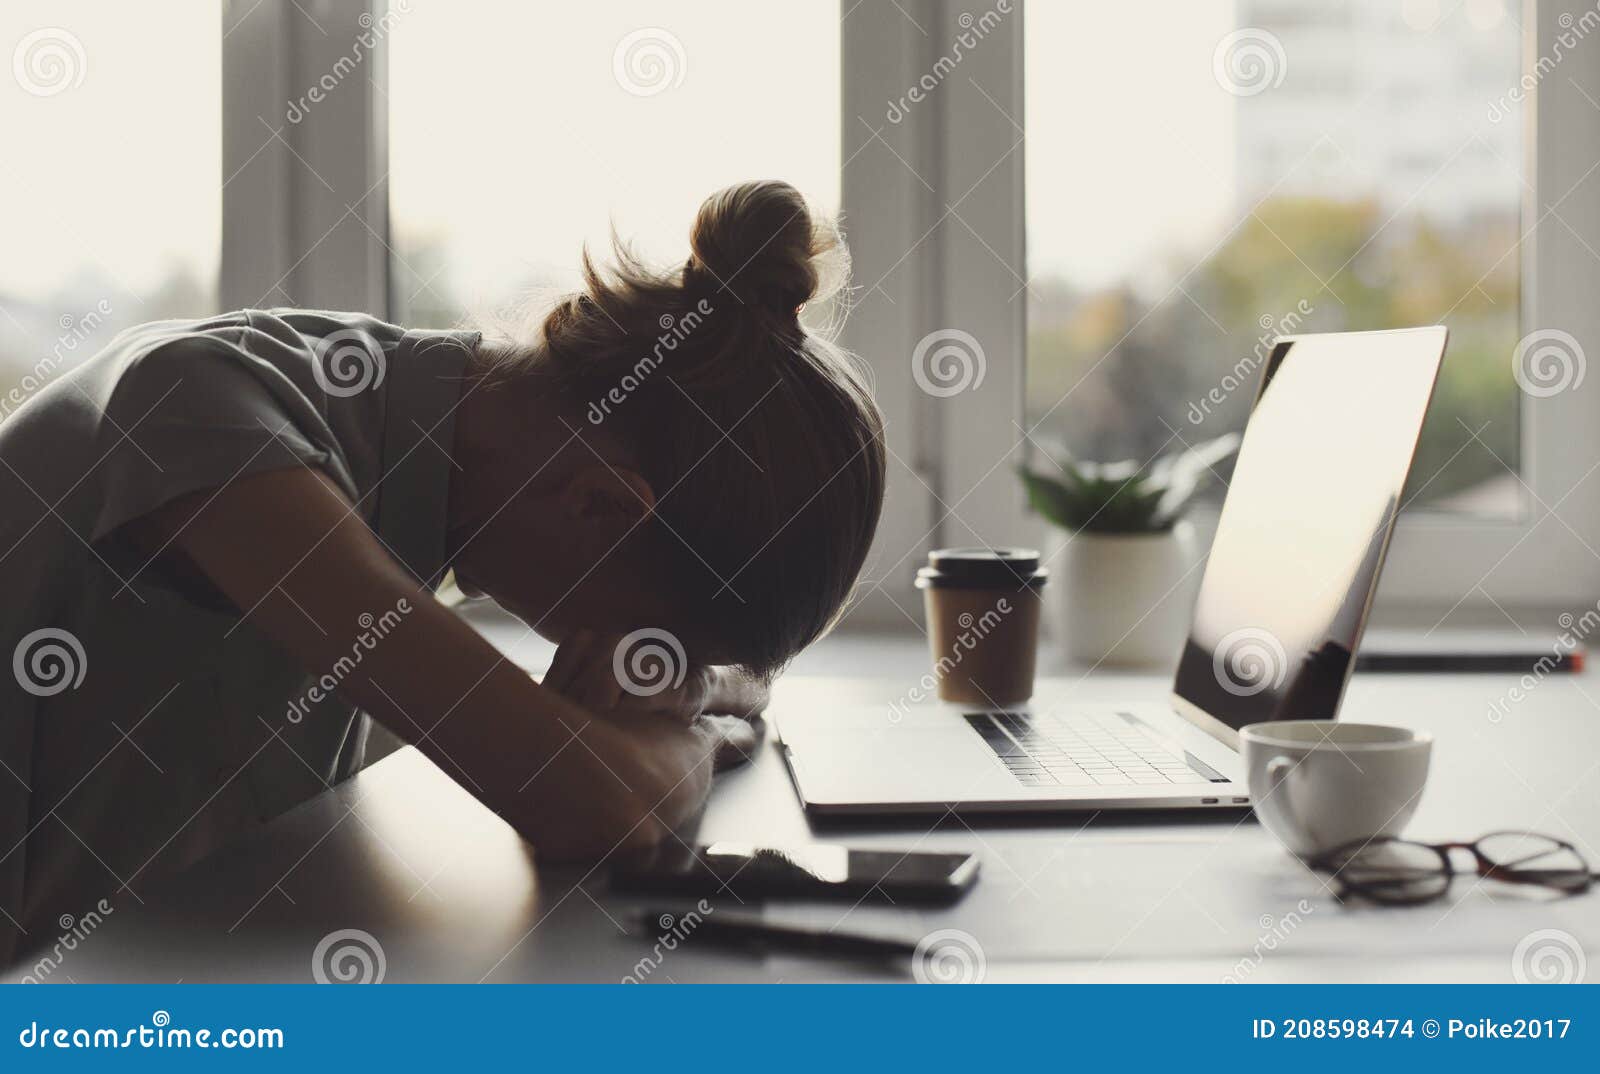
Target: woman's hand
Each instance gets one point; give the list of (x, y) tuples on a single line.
[(715, 701), (585, 671)]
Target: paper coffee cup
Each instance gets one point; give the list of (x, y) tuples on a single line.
[(982, 609)]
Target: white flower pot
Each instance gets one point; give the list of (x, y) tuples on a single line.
[(1123, 600)]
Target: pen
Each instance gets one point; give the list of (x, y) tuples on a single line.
[(734, 931)]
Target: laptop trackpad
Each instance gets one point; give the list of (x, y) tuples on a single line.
[(906, 764)]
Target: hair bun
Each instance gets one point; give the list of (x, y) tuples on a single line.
[(758, 241)]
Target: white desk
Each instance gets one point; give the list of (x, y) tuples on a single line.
[(451, 893)]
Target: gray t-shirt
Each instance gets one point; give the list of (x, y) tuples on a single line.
[(143, 721)]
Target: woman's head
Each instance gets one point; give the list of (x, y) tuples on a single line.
[(676, 449)]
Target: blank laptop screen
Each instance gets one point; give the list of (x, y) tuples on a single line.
[(1305, 524)]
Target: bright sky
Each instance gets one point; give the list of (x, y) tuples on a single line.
[(516, 146), (1119, 97), (121, 169)]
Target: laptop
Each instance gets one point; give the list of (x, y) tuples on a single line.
[(1287, 587)]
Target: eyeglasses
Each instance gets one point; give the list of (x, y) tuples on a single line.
[(1402, 872)]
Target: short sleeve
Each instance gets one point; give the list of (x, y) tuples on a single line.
[(198, 413)]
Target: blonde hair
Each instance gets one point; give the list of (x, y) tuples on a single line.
[(759, 435)]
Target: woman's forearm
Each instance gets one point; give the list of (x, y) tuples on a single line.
[(286, 548)]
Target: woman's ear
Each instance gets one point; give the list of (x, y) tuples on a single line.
[(607, 495)]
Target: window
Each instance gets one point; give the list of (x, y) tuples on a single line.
[(1268, 167), (1108, 205), (1086, 182), (510, 149), (113, 214)]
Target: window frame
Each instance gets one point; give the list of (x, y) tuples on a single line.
[(305, 201)]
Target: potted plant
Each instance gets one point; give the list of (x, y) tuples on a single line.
[(1125, 574)]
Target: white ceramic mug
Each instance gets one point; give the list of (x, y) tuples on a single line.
[(1319, 784)]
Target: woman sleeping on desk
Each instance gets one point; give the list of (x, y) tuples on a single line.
[(222, 538)]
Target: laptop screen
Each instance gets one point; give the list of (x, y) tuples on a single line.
[(1304, 526)]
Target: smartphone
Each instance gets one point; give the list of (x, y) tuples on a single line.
[(744, 871)]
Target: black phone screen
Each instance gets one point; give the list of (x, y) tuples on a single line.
[(819, 870)]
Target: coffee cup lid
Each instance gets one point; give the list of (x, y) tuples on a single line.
[(982, 568)]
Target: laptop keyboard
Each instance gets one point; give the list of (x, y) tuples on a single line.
[(1084, 749)]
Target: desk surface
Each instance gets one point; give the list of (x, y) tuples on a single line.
[(451, 893)]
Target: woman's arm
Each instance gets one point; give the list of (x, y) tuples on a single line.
[(584, 671), (287, 548)]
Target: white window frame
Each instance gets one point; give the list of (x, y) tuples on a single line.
[(933, 204), (305, 195)]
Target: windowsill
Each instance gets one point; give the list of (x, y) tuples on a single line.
[(903, 653)]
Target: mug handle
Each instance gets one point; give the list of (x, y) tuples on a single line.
[(1278, 770)]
